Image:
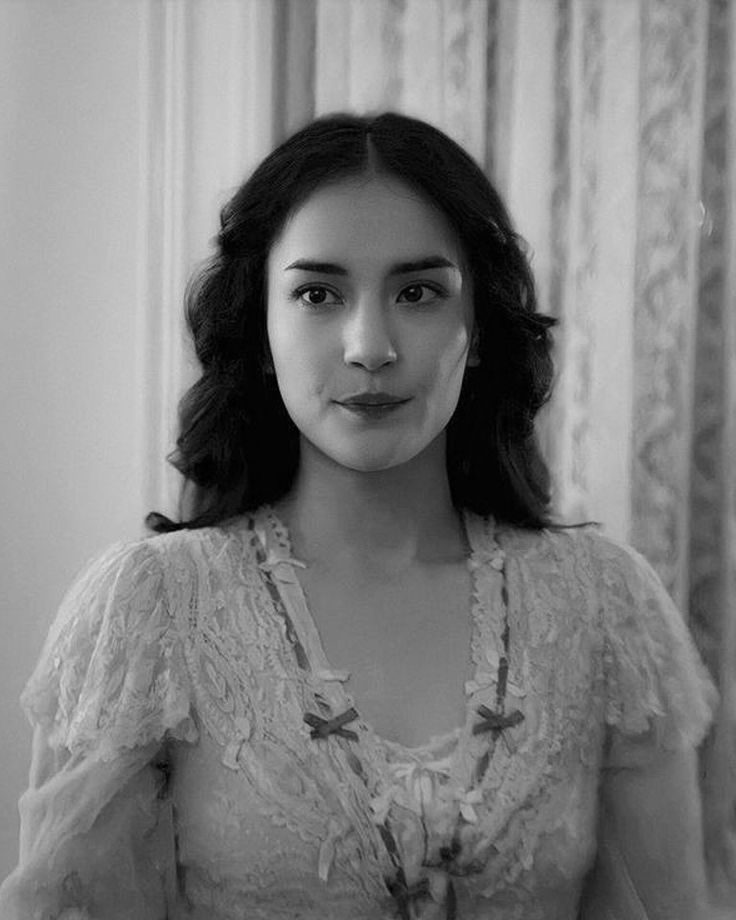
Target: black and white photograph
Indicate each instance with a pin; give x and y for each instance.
(368, 420)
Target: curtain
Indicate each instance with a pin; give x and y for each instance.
(608, 126)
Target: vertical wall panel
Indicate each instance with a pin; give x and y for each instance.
(295, 63)
(163, 263)
(212, 74)
(72, 157)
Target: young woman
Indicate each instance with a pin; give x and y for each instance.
(365, 677)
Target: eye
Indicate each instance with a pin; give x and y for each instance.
(421, 293)
(315, 295)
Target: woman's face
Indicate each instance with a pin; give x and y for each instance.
(370, 318)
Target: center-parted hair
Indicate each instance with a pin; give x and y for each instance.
(237, 448)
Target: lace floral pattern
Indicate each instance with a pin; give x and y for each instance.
(203, 639)
(111, 675)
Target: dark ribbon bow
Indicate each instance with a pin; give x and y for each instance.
(321, 728)
(404, 895)
(448, 853)
(496, 721)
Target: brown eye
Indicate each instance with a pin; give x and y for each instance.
(315, 295)
(421, 294)
(413, 294)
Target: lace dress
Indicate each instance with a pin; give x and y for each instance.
(174, 775)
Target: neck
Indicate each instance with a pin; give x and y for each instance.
(387, 519)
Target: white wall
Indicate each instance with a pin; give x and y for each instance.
(71, 237)
(124, 125)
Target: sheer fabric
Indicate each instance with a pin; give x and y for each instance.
(173, 774)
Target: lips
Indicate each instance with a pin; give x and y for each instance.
(373, 399)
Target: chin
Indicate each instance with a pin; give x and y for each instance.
(369, 462)
(373, 453)
(374, 467)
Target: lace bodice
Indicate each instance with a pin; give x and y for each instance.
(174, 774)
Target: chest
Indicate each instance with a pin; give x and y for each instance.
(406, 643)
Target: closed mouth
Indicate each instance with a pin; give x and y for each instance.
(373, 400)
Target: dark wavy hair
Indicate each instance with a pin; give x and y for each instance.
(237, 447)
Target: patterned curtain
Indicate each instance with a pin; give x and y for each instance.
(608, 125)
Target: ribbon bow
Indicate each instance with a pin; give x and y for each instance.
(321, 728)
(496, 721)
(273, 562)
(404, 895)
(495, 557)
(448, 853)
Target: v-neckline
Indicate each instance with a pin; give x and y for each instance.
(275, 541)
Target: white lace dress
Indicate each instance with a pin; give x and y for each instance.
(174, 775)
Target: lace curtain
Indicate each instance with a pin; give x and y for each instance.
(608, 125)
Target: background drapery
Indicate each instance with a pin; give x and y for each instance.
(608, 126)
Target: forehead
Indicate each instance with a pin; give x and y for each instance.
(367, 219)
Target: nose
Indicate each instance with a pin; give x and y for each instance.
(369, 340)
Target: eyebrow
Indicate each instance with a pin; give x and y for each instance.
(398, 268)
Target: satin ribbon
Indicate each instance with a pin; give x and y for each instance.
(321, 728)
(496, 721)
(404, 895)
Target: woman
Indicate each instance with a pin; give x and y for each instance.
(365, 677)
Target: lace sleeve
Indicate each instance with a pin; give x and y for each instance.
(111, 674)
(108, 691)
(658, 691)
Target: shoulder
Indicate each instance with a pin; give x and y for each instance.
(185, 554)
(589, 571)
(233, 533)
(627, 592)
(119, 581)
(131, 590)
(550, 583)
(567, 549)
(172, 574)
(530, 542)
(655, 684)
(586, 548)
(111, 673)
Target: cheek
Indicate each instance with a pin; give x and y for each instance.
(283, 341)
(450, 357)
(279, 330)
(299, 359)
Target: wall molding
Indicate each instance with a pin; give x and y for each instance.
(164, 141)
